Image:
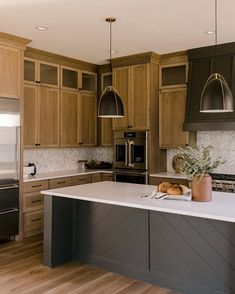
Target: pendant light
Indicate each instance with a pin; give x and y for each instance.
(216, 95)
(110, 103)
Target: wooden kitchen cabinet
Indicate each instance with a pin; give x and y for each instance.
(60, 182)
(96, 177)
(171, 117)
(68, 119)
(11, 65)
(41, 72)
(133, 86)
(81, 179)
(33, 206)
(41, 116)
(87, 120)
(173, 75)
(107, 177)
(10, 68)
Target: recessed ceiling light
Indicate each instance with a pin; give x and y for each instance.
(113, 51)
(42, 28)
(210, 32)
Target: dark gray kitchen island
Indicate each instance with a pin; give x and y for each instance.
(183, 245)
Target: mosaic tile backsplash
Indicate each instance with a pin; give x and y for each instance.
(224, 146)
(56, 159)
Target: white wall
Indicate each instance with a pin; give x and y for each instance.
(52, 159)
(224, 146)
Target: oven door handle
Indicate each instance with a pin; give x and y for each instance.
(7, 187)
(126, 153)
(131, 155)
(9, 211)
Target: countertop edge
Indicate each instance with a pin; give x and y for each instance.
(64, 174)
(187, 211)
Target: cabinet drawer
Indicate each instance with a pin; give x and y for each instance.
(33, 222)
(107, 177)
(36, 186)
(79, 180)
(59, 183)
(96, 178)
(33, 201)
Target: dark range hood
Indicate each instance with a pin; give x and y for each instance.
(202, 63)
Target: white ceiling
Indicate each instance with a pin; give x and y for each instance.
(78, 28)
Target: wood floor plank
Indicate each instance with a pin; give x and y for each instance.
(22, 272)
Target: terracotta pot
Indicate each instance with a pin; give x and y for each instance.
(202, 188)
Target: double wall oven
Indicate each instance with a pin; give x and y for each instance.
(130, 157)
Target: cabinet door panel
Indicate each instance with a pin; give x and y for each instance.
(48, 127)
(30, 115)
(10, 67)
(140, 97)
(87, 118)
(121, 84)
(69, 120)
(171, 118)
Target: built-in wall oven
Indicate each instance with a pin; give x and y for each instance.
(130, 156)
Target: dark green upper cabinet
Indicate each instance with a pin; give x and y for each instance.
(202, 63)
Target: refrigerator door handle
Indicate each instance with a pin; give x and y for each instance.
(126, 153)
(131, 155)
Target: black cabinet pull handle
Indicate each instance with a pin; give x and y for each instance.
(36, 186)
(80, 143)
(61, 182)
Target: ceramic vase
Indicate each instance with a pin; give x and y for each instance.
(202, 188)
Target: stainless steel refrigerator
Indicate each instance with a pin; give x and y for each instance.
(9, 167)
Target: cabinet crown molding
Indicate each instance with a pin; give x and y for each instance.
(12, 40)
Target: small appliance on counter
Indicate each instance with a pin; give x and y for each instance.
(99, 164)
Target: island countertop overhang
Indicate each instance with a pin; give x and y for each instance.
(221, 208)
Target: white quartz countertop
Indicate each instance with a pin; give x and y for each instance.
(64, 173)
(221, 208)
(169, 175)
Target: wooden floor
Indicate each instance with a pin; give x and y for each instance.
(21, 271)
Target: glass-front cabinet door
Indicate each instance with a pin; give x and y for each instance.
(41, 73)
(69, 78)
(88, 81)
(49, 74)
(30, 70)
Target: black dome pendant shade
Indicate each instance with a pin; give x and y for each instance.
(110, 104)
(216, 95)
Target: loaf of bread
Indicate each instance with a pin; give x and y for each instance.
(163, 187)
(185, 189)
(174, 189)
